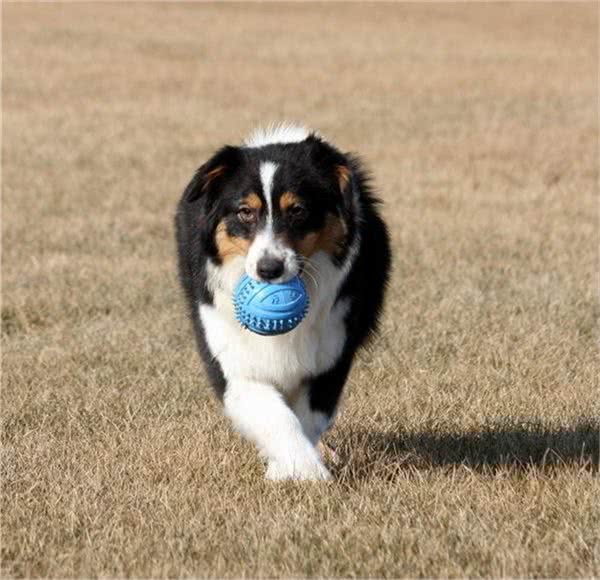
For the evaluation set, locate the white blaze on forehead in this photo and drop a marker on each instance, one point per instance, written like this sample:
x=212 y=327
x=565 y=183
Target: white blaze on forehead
x=265 y=243
x=282 y=133
x=267 y=172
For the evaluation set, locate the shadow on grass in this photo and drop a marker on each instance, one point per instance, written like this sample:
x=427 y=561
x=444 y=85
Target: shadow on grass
x=491 y=448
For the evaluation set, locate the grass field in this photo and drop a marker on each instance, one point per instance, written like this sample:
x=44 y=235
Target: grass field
x=469 y=432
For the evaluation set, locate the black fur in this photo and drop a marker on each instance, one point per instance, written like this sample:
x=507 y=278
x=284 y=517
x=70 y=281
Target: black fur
x=308 y=168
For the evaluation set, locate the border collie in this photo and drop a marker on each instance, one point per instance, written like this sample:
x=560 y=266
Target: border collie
x=282 y=204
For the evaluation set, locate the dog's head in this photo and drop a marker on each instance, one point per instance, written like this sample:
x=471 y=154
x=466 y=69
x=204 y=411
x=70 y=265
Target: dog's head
x=275 y=205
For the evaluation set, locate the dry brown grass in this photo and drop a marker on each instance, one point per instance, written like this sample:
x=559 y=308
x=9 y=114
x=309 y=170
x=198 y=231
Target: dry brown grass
x=470 y=429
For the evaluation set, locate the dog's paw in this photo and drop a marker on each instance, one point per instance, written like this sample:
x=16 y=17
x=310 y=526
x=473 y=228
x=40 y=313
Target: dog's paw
x=305 y=470
x=328 y=453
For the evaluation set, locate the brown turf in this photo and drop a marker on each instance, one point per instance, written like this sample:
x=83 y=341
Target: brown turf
x=469 y=432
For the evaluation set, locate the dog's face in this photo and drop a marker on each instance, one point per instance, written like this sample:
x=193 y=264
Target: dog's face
x=275 y=206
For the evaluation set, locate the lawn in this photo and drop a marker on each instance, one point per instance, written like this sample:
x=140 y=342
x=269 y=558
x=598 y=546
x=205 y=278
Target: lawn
x=469 y=433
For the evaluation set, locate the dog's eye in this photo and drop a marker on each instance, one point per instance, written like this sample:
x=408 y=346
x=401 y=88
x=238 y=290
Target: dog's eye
x=297 y=213
x=247 y=215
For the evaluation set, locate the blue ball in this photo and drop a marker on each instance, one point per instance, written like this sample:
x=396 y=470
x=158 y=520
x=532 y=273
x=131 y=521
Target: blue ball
x=270 y=309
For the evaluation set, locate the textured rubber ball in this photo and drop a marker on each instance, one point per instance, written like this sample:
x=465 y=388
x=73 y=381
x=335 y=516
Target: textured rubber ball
x=270 y=309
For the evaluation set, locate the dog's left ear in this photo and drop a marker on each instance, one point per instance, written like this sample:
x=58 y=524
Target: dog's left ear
x=343 y=174
x=334 y=166
x=208 y=176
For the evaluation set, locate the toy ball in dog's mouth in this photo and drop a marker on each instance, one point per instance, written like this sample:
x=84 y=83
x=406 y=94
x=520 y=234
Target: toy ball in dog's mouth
x=270 y=309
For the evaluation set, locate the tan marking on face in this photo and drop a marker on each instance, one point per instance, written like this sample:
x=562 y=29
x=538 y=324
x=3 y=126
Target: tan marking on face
x=307 y=246
x=211 y=176
x=343 y=175
x=229 y=246
x=287 y=200
x=252 y=200
x=329 y=239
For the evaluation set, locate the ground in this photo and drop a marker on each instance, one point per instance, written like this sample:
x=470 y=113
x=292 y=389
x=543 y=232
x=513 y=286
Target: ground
x=468 y=436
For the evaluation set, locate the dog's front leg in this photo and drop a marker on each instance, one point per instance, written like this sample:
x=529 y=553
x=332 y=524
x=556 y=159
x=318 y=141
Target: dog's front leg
x=260 y=413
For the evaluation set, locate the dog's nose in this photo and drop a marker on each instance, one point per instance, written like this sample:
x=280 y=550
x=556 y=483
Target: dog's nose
x=269 y=268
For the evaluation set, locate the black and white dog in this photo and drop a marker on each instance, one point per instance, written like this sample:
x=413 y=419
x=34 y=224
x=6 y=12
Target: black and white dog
x=282 y=204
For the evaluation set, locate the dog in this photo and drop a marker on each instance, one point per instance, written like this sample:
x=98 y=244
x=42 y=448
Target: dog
x=285 y=203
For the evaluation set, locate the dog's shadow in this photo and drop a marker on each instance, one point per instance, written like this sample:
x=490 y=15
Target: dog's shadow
x=493 y=448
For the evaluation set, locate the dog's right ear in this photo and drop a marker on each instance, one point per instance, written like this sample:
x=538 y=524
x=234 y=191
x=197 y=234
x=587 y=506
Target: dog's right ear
x=212 y=172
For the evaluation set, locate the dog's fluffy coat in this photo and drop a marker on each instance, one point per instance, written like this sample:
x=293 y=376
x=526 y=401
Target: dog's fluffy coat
x=284 y=203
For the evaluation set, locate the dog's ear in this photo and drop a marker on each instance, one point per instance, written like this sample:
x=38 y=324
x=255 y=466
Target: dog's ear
x=209 y=175
x=334 y=167
x=343 y=175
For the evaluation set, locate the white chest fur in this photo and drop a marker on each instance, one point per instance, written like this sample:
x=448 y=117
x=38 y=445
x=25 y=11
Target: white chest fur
x=284 y=360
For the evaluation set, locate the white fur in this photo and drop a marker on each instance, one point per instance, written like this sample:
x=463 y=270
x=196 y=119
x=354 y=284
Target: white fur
x=261 y=415
x=265 y=242
x=274 y=366
x=280 y=133
x=267 y=173
x=283 y=360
